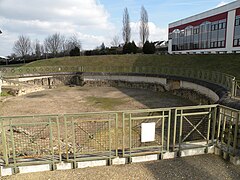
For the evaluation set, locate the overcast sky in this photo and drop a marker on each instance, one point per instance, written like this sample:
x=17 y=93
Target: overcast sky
x=94 y=21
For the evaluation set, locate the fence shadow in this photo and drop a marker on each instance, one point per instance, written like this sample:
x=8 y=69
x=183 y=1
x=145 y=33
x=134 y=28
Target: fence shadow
x=153 y=99
x=195 y=167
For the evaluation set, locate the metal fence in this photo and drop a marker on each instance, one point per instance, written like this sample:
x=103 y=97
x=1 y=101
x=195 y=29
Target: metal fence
x=132 y=138
x=29 y=139
x=195 y=125
x=50 y=139
x=90 y=136
x=236 y=92
x=227 y=130
x=225 y=80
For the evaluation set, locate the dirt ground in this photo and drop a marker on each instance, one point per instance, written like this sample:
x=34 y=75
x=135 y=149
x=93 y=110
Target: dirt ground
x=209 y=167
x=87 y=99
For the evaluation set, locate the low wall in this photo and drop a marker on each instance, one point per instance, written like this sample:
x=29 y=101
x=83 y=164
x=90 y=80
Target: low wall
x=199 y=92
x=193 y=91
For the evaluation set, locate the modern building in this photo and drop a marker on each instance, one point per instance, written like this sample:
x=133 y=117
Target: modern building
x=213 y=31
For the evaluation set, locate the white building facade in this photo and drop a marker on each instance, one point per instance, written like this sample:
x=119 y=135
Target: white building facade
x=213 y=31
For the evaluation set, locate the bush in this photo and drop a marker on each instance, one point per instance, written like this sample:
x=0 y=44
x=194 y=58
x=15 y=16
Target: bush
x=130 y=48
x=75 y=52
x=133 y=47
x=149 y=48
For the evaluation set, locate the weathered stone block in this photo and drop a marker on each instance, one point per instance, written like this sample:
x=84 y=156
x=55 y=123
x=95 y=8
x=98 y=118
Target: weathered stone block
x=145 y=158
x=91 y=163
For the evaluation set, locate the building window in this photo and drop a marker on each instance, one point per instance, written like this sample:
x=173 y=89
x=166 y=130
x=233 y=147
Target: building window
x=222 y=25
x=236 y=39
x=236 y=42
x=196 y=30
x=218 y=34
x=237 y=21
x=175 y=40
x=221 y=44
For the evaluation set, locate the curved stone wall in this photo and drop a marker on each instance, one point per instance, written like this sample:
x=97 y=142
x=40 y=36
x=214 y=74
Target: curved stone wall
x=169 y=83
x=201 y=92
x=181 y=86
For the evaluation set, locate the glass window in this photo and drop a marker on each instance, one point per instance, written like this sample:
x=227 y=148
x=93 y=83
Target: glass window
x=212 y=27
x=205 y=32
x=221 y=26
x=236 y=32
x=175 y=40
x=211 y=45
x=235 y=42
x=188 y=31
x=196 y=30
x=237 y=22
x=221 y=34
x=223 y=43
x=181 y=33
x=220 y=44
x=214 y=36
x=224 y=25
x=218 y=34
x=188 y=39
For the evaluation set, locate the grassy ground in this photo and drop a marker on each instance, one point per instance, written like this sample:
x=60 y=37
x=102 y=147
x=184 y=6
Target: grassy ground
x=227 y=63
x=104 y=102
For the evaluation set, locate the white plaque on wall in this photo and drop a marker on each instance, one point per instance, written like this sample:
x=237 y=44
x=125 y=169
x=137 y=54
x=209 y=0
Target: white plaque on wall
x=148 y=132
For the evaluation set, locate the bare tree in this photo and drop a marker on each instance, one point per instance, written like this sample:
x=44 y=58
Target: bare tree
x=73 y=42
x=144 y=29
x=37 y=48
x=126 y=31
x=42 y=49
x=53 y=44
x=22 y=46
x=115 y=41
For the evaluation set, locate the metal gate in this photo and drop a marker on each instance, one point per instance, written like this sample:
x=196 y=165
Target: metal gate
x=90 y=136
x=136 y=127
x=29 y=139
x=193 y=127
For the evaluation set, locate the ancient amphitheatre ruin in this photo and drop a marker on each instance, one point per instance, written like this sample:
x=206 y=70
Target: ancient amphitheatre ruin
x=95 y=117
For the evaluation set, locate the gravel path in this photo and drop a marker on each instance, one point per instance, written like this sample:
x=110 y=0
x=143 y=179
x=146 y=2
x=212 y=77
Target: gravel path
x=196 y=167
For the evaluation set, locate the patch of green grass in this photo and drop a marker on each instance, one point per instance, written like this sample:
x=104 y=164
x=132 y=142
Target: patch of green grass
x=105 y=103
x=225 y=63
x=4 y=94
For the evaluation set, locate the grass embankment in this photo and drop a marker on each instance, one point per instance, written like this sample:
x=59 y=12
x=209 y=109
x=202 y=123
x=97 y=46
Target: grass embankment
x=225 y=63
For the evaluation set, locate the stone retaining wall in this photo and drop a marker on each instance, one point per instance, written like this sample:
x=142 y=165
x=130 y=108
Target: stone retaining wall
x=198 y=91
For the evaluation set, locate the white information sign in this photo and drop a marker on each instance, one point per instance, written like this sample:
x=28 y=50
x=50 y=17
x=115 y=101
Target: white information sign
x=148 y=132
